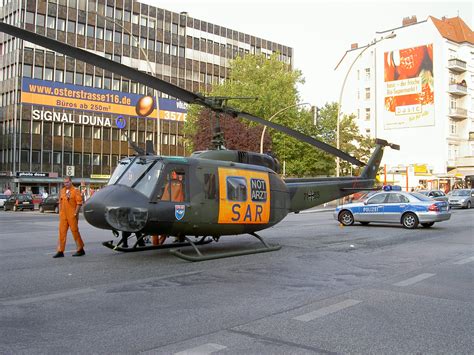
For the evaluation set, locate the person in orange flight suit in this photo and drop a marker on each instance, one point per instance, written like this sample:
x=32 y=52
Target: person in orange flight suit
x=173 y=192
x=70 y=201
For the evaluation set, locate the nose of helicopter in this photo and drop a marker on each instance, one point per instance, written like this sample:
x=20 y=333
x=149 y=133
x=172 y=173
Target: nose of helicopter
x=117 y=207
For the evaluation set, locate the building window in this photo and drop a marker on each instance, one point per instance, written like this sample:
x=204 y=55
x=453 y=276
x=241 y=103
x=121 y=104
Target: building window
x=100 y=33
x=57 y=158
x=88 y=80
x=71 y=26
x=452 y=127
x=67 y=158
x=115 y=134
x=40 y=20
x=51 y=22
x=79 y=78
x=36 y=127
x=48 y=74
x=77 y=131
x=367 y=73
x=61 y=24
x=367 y=114
x=98 y=82
x=38 y=72
x=69 y=77
x=30 y=17
x=87 y=159
x=96 y=159
x=27 y=70
x=367 y=93
x=58 y=129
x=108 y=35
x=96 y=132
x=106 y=134
x=46 y=157
x=114 y=160
x=123 y=138
x=77 y=159
x=25 y=156
x=67 y=130
x=90 y=31
x=105 y=160
x=36 y=157
x=81 y=29
x=59 y=75
x=87 y=131
x=172 y=139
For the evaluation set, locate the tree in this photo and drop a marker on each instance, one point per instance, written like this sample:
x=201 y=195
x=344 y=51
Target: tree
x=267 y=79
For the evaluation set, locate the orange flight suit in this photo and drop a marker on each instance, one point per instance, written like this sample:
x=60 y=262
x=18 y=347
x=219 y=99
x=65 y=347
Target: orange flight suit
x=177 y=195
x=67 y=218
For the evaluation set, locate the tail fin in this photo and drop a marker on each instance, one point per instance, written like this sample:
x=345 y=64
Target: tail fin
x=370 y=171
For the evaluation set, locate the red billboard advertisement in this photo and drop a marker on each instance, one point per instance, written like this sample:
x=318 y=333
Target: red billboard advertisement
x=409 y=87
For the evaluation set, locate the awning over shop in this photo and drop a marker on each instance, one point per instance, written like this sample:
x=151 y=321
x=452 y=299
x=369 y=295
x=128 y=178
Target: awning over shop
x=461 y=172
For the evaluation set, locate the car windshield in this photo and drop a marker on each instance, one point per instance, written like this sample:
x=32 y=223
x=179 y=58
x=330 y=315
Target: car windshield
x=460 y=193
x=147 y=183
x=121 y=167
x=424 y=192
x=420 y=196
x=137 y=168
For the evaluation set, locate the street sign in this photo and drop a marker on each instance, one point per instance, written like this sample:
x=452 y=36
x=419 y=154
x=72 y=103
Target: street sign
x=69 y=170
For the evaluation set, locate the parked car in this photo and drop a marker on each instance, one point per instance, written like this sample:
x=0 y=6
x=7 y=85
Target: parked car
x=407 y=208
x=463 y=198
x=50 y=203
x=3 y=198
x=19 y=202
x=437 y=195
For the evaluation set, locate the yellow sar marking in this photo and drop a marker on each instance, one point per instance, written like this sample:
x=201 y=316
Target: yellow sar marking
x=255 y=209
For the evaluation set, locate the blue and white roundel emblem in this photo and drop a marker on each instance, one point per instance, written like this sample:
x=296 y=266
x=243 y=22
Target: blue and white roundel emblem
x=179 y=211
x=121 y=122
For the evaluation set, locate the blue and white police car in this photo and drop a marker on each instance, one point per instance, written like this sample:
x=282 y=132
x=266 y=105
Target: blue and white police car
x=388 y=206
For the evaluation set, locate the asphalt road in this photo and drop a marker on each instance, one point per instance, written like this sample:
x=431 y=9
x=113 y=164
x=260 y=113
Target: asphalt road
x=395 y=291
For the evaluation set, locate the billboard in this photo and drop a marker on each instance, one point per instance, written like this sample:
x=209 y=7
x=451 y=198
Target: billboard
x=409 y=88
x=75 y=97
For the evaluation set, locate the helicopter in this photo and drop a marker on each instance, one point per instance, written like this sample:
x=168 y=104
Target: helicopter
x=222 y=192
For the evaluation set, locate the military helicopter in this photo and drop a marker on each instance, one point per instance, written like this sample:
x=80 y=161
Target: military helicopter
x=223 y=192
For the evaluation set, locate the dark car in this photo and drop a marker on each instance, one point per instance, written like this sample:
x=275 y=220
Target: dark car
x=50 y=204
x=19 y=202
x=3 y=198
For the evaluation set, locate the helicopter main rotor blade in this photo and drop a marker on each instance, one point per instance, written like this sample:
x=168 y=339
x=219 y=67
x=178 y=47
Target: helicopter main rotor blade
x=161 y=85
x=101 y=62
x=303 y=137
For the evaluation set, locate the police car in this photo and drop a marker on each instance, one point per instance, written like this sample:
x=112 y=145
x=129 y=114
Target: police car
x=394 y=206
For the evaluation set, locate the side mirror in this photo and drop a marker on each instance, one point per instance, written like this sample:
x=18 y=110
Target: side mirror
x=366 y=202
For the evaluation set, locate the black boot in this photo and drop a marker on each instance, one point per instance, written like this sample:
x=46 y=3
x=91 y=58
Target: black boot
x=59 y=254
x=79 y=253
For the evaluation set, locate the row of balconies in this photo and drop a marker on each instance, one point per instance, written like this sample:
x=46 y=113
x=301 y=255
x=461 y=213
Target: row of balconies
x=457 y=87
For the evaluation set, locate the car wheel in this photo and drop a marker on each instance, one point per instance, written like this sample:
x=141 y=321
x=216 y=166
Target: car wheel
x=427 y=225
x=365 y=223
x=346 y=218
x=410 y=220
x=14 y=208
x=468 y=205
x=5 y=208
x=41 y=209
x=56 y=209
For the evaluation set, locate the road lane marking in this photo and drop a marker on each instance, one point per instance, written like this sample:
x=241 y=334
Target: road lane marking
x=464 y=261
x=204 y=349
x=327 y=310
x=413 y=280
x=47 y=297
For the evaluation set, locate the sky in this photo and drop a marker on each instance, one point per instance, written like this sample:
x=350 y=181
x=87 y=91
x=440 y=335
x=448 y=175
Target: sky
x=328 y=26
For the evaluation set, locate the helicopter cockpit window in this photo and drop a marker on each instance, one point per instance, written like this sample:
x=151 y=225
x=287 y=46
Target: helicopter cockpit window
x=174 y=187
x=236 y=188
x=147 y=183
x=121 y=167
x=138 y=167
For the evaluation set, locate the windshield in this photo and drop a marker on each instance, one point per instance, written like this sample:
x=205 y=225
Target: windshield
x=460 y=193
x=121 y=167
x=147 y=183
x=420 y=197
x=137 y=168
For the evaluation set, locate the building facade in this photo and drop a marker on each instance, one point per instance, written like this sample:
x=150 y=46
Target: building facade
x=414 y=86
x=59 y=116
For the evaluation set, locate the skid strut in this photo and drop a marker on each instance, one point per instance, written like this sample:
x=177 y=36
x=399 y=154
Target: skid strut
x=200 y=257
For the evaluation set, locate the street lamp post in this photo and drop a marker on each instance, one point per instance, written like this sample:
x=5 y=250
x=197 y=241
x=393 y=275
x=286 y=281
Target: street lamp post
x=275 y=114
x=152 y=71
x=339 y=112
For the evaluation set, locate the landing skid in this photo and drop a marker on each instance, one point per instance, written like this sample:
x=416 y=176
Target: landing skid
x=137 y=247
x=200 y=257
